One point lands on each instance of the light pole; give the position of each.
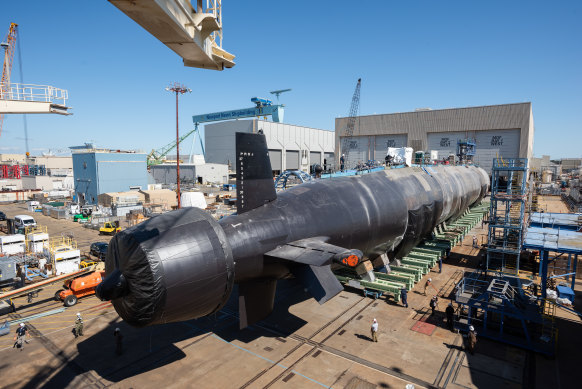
(178, 89)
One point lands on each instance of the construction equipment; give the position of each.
(43, 284)
(84, 215)
(79, 287)
(19, 98)
(193, 30)
(347, 141)
(110, 228)
(263, 107)
(8, 46)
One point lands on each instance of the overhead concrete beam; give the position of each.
(176, 24)
(31, 107)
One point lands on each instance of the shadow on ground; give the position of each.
(146, 349)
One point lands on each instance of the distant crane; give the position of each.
(355, 107)
(278, 92)
(8, 45)
(157, 157)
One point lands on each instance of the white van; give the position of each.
(23, 221)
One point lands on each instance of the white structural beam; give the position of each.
(26, 107)
(193, 34)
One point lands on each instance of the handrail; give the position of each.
(35, 93)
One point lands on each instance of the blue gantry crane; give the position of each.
(263, 107)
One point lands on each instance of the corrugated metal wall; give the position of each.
(417, 125)
(490, 144)
(329, 160)
(382, 142)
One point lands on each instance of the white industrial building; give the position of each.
(205, 173)
(504, 131)
(290, 147)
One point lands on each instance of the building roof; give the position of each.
(556, 220)
(428, 110)
(551, 239)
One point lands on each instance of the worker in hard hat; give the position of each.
(434, 303)
(374, 330)
(428, 283)
(404, 296)
(78, 325)
(20, 336)
(472, 340)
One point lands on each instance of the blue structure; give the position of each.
(281, 181)
(506, 214)
(561, 243)
(99, 171)
(562, 221)
(263, 107)
(500, 308)
(466, 149)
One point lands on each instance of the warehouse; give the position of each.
(504, 130)
(290, 147)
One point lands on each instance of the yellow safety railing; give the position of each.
(62, 242)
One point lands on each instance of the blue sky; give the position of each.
(409, 54)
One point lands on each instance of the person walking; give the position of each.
(433, 304)
(472, 340)
(440, 264)
(475, 246)
(374, 330)
(78, 325)
(20, 336)
(450, 311)
(404, 296)
(342, 162)
(428, 283)
(118, 341)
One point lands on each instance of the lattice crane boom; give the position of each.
(354, 109)
(8, 45)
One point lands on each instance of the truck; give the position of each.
(78, 287)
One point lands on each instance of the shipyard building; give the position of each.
(98, 171)
(290, 147)
(504, 131)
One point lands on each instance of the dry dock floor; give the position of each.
(301, 345)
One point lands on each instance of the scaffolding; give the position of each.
(507, 214)
(501, 308)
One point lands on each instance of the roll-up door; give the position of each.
(315, 157)
(275, 157)
(292, 160)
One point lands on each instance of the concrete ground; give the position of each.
(301, 345)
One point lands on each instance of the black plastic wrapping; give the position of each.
(177, 266)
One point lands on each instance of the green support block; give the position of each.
(417, 273)
(406, 280)
(433, 251)
(432, 259)
(416, 262)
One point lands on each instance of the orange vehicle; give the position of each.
(79, 287)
